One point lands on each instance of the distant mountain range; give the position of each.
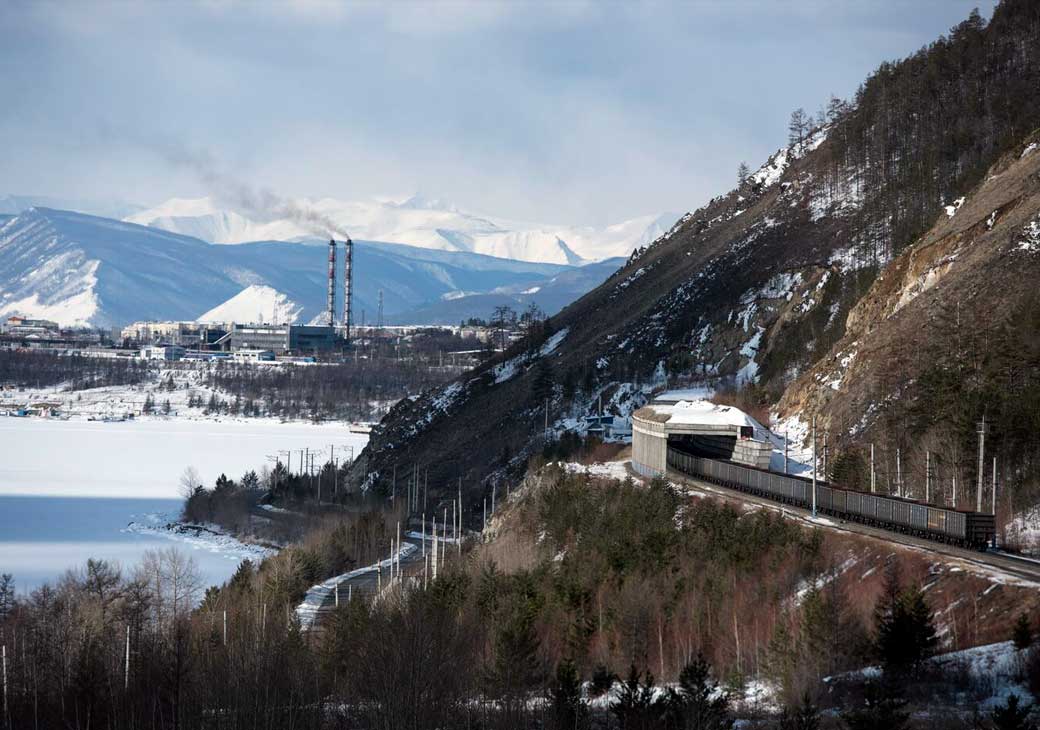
(81, 269)
(418, 221)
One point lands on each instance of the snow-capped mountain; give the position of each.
(256, 303)
(80, 269)
(15, 204)
(417, 221)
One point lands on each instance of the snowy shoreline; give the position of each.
(208, 537)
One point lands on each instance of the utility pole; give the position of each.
(954, 505)
(825, 472)
(994, 494)
(899, 474)
(927, 475)
(982, 450)
(814, 466)
(434, 560)
(785, 452)
(225, 627)
(126, 667)
(873, 476)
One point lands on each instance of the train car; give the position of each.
(970, 529)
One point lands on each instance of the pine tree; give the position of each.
(542, 385)
(569, 709)
(1023, 633)
(698, 701)
(1011, 716)
(634, 705)
(905, 634)
(882, 708)
(743, 173)
(802, 717)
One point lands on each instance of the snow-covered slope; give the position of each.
(417, 221)
(256, 303)
(79, 269)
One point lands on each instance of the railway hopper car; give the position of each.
(960, 527)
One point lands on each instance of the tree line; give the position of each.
(603, 591)
(34, 369)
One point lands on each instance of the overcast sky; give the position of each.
(563, 112)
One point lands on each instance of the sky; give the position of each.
(577, 113)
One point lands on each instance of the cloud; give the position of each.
(572, 112)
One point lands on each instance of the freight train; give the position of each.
(974, 530)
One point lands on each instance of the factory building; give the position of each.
(682, 419)
(282, 338)
(162, 352)
(21, 326)
(186, 334)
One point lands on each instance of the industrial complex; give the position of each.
(176, 340)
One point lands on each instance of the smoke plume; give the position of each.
(261, 203)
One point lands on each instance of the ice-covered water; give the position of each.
(145, 459)
(41, 537)
(68, 489)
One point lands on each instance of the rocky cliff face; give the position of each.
(945, 335)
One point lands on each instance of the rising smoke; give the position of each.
(259, 203)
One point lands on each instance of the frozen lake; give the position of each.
(68, 489)
(43, 536)
(145, 458)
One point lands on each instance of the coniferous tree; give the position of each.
(698, 703)
(1011, 716)
(882, 708)
(1023, 633)
(804, 716)
(569, 709)
(634, 706)
(743, 173)
(905, 634)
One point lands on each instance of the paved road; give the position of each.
(1010, 565)
(364, 583)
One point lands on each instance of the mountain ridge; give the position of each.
(417, 221)
(87, 270)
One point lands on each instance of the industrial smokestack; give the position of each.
(331, 305)
(348, 254)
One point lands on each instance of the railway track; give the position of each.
(1012, 566)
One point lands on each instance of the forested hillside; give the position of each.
(950, 334)
(754, 287)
